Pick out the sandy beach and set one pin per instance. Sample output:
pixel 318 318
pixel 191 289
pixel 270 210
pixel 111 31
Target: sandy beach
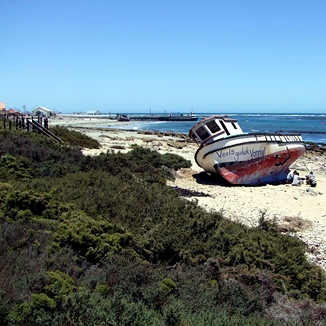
pixel 299 210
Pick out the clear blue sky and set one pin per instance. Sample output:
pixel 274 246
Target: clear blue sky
pixel 168 55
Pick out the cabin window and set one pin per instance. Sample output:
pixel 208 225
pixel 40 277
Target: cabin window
pixel 202 133
pixel 213 126
pixel 234 125
pixel 224 127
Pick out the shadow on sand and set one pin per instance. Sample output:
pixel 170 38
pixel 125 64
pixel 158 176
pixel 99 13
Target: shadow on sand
pixel 209 179
pixel 216 180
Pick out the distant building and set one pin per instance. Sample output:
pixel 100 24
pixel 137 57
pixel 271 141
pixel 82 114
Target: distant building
pixel 97 112
pixel 2 108
pixel 42 111
pixel 10 111
pixel 13 112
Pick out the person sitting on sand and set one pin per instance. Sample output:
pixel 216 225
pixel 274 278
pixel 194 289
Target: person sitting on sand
pixel 296 179
pixel 289 178
pixel 311 179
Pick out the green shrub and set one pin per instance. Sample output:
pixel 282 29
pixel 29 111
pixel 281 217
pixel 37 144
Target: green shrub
pixel 92 239
pixel 102 240
pixel 25 205
pixel 37 155
pixel 74 138
pixel 4 308
pixel 168 285
pixel 37 312
pixel 39 301
pixel 59 285
pixel 13 168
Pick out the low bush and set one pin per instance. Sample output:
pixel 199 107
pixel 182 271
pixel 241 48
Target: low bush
pixel 102 240
pixel 74 138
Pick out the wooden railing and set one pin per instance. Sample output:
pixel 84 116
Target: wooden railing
pixel 29 123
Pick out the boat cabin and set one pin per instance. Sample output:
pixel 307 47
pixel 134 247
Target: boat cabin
pixel 214 128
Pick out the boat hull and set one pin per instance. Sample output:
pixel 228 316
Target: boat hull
pixel 251 159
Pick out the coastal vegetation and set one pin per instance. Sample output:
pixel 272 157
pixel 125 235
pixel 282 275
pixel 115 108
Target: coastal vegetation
pixel 74 138
pixel 101 240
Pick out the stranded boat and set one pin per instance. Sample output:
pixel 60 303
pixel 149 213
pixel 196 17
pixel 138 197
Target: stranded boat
pixel 122 117
pixel 244 158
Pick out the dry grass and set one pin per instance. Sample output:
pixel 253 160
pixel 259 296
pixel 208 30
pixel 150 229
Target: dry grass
pixel 294 224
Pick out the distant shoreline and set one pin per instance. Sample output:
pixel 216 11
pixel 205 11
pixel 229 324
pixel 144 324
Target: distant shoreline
pixel 92 122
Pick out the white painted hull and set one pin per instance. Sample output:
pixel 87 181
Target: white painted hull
pixel 251 159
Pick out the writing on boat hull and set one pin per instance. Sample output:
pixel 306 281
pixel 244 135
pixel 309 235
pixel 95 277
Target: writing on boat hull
pixel 243 153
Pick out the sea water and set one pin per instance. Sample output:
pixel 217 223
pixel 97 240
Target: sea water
pixel 310 126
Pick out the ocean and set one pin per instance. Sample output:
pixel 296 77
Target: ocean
pixel 310 126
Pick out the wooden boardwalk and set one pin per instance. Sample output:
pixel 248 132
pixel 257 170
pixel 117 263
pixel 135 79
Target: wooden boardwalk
pixel 37 124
